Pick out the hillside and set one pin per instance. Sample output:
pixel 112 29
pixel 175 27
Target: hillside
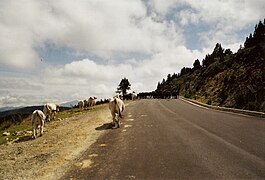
pixel 16 116
pixel 225 79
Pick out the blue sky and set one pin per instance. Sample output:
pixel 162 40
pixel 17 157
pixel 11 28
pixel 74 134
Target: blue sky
pixel 58 51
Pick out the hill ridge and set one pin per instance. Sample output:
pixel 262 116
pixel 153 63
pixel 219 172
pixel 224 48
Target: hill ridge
pixel 235 80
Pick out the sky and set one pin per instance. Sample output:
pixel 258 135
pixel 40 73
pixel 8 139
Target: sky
pixel 64 50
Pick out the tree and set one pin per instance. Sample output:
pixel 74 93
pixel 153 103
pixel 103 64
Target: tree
pixel 168 78
pixel 217 54
pixel 158 85
pixel 249 41
pixel 196 64
pixel 259 33
pixel 185 70
pixel 218 50
pixel 228 52
pixel 206 60
pixel 124 86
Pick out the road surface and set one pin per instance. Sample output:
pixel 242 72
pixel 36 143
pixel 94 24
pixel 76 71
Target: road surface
pixel 173 139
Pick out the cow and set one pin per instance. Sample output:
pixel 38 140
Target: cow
pixel 134 96
pixel 37 120
pixel 92 102
pixel 86 103
pixel 130 96
pixel 81 104
pixel 49 110
pixel 116 107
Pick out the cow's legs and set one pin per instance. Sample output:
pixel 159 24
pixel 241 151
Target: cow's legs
pixel 53 115
pixel 113 114
pixel 116 121
pixel 41 130
pixel 48 117
pixel 34 132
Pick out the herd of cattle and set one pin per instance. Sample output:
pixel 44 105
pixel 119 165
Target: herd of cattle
pixel 38 117
pixel 90 102
pixel 158 95
pixel 116 106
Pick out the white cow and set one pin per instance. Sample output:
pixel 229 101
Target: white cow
pixel 81 104
pixel 86 103
pixel 116 107
pixel 134 96
pixel 92 102
pixel 49 110
pixel 37 120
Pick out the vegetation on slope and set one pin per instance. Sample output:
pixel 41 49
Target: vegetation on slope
pixel 17 123
pixel 225 79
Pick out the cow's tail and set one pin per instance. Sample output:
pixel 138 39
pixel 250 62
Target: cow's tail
pixel 123 107
pixel 36 114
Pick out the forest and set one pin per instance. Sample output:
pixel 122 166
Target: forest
pixel 224 78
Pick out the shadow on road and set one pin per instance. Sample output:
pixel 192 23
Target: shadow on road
pixel 104 127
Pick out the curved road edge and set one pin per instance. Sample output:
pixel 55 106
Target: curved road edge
pixel 238 111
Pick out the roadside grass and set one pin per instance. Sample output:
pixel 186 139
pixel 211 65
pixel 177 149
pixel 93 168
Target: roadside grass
pixel 24 128
pixel 16 131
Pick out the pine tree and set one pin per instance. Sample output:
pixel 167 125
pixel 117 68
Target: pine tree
pixel 206 61
pixel 168 78
pixel 124 86
pixel 158 86
pixel 196 64
pixel 218 50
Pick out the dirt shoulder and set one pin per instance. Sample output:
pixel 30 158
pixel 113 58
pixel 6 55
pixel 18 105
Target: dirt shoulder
pixel 50 156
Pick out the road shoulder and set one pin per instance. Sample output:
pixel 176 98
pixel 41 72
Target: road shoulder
pixel 231 110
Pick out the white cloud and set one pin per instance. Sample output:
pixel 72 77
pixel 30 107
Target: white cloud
pixel 102 79
pixel 95 27
pixel 11 100
pixel 8 83
pixel 162 7
pixel 187 17
pixel 235 13
pixel 224 19
pixel 16 49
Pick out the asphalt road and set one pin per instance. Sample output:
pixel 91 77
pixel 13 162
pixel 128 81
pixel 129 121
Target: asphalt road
pixel 172 139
